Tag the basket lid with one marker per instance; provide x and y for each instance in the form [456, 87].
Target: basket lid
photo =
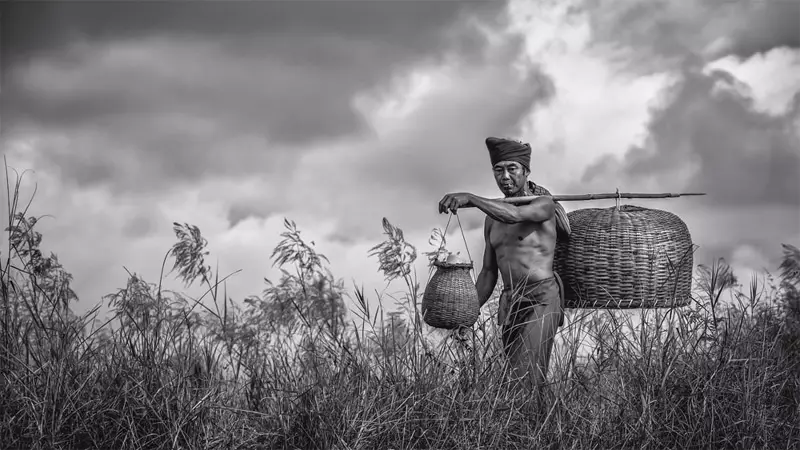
[452, 265]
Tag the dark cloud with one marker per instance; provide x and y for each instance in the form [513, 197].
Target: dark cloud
[240, 213]
[36, 28]
[139, 95]
[243, 208]
[708, 137]
[663, 33]
[773, 24]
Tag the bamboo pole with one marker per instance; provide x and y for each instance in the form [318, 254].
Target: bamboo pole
[583, 197]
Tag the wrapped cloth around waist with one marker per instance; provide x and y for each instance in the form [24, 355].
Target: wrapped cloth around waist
[518, 300]
[530, 289]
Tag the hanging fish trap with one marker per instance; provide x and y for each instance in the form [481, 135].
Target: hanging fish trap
[450, 300]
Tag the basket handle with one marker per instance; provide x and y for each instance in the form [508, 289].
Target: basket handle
[463, 236]
[615, 213]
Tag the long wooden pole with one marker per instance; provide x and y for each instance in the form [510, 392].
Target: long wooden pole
[583, 197]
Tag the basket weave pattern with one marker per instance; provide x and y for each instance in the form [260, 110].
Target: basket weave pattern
[450, 300]
[631, 257]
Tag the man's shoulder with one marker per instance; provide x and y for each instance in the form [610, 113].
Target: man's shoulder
[562, 219]
[537, 189]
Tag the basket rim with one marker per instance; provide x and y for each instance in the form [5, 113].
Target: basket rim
[447, 265]
[626, 207]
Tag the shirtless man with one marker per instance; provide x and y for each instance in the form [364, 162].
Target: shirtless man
[520, 243]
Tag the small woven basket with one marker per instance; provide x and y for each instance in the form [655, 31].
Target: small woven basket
[450, 300]
[625, 257]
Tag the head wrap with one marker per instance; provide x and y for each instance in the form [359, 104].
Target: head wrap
[501, 149]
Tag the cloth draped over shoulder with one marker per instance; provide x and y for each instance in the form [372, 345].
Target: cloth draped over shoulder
[563, 229]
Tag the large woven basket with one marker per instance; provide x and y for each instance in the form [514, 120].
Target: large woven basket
[450, 300]
[626, 257]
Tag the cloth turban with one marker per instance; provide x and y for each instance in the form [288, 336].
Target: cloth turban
[501, 149]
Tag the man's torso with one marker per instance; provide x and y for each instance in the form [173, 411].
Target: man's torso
[524, 251]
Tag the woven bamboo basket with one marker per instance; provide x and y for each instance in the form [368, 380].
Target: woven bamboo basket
[625, 257]
[450, 300]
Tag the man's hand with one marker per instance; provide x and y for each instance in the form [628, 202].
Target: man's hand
[452, 202]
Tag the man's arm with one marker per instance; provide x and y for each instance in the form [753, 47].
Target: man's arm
[539, 210]
[487, 279]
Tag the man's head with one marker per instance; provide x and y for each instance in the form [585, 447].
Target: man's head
[510, 164]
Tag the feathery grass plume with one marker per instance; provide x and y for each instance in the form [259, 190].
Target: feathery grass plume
[790, 265]
[293, 249]
[395, 255]
[311, 294]
[189, 253]
[396, 259]
[714, 281]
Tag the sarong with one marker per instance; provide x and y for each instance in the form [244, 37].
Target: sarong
[529, 317]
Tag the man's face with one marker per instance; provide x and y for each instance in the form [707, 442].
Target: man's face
[510, 177]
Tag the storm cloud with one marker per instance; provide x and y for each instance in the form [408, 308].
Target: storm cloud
[709, 137]
[144, 95]
[647, 36]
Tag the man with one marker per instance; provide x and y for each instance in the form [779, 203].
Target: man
[520, 243]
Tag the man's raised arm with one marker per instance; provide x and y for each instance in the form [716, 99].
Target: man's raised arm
[539, 210]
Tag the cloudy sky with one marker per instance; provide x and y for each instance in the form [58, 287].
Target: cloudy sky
[335, 114]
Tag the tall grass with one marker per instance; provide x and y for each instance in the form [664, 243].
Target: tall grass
[289, 368]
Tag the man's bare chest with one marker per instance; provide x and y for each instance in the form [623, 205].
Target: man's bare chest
[502, 234]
